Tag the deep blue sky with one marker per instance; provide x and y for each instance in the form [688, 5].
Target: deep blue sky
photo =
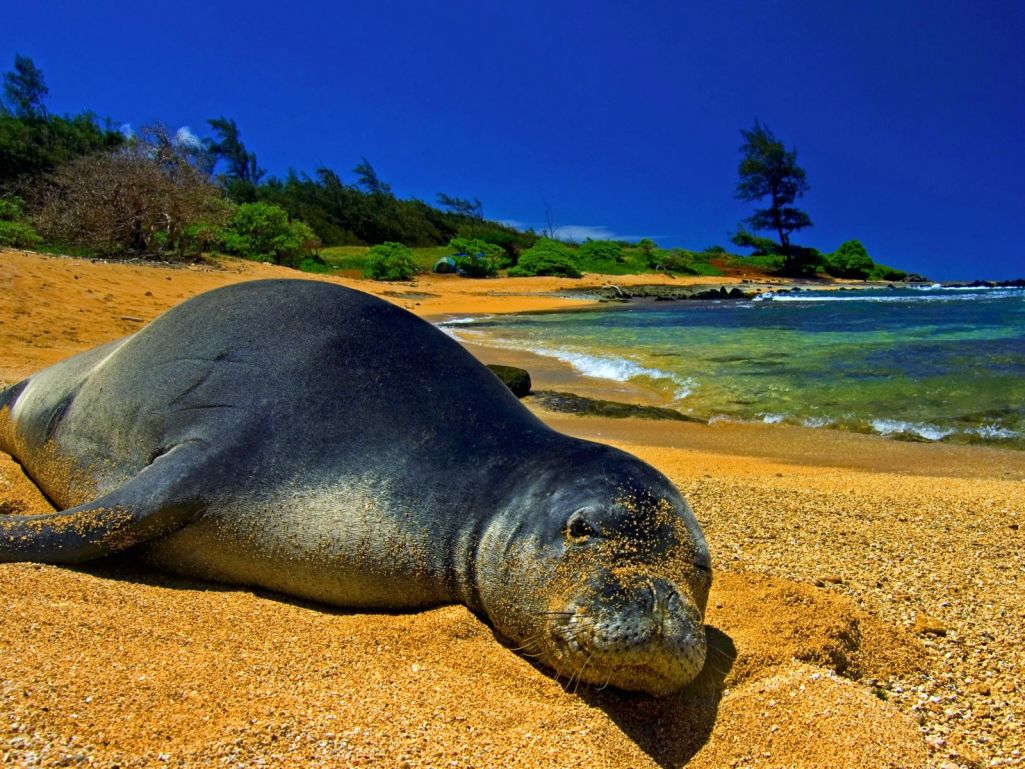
[623, 117]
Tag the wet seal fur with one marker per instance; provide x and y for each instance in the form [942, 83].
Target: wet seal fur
[317, 441]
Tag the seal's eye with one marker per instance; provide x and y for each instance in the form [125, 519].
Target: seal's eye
[578, 527]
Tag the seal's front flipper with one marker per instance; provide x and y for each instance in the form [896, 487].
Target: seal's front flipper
[153, 503]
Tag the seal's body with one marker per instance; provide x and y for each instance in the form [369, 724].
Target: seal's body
[314, 440]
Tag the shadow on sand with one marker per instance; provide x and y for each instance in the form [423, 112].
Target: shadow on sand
[671, 730]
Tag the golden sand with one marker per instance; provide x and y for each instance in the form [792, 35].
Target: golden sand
[866, 612]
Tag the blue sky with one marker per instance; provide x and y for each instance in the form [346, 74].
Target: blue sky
[622, 118]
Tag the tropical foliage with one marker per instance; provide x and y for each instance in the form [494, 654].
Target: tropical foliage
[390, 261]
[476, 258]
[69, 182]
[850, 260]
[547, 257]
[263, 232]
[14, 231]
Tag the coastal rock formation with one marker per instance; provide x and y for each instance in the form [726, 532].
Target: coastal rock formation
[516, 379]
[663, 293]
[571, 403]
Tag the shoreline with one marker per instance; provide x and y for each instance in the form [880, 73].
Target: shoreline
[551, 371]
[858, 576]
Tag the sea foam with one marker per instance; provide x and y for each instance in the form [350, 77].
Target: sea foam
[922, 430]
[613, 368]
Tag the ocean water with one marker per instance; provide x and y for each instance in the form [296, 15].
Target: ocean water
[934, 364]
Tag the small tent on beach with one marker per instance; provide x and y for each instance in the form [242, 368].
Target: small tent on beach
[445, 265]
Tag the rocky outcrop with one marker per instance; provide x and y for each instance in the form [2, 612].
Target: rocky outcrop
[664, 293]
[516, 379]
[571, 403]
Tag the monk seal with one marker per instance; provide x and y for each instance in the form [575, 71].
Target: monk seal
[317, 441]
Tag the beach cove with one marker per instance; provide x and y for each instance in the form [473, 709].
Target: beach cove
[866, 609]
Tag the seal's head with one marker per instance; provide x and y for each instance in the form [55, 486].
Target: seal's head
[604, 576]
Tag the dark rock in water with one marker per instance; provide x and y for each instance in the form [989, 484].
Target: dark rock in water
[1015, 283]
[665, 293]
[516, 379]
[719, 293]
[571, 403]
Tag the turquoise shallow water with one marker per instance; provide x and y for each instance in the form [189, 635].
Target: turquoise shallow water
[931, 364]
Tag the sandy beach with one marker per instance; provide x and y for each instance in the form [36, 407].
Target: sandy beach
[866, 610]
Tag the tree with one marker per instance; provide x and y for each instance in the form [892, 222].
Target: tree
[243, 174]
[767, 170]
[25, 89]
[366, 177]
[470, 209]
[33, 147]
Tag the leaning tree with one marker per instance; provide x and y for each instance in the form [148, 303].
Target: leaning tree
[768, 170]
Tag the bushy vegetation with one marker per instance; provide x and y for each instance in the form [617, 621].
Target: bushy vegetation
[601, 252]
[70, 184]
[547, 257]
[850, 260]
[14, 232]
[476, 258]
[390, 261]
[682, 261]
[144, 198]
[264, 232]
[35, 146]
[882, 272]
[801, 261]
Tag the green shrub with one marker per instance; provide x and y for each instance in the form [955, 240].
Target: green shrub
[476, 258]
[390, 261]
[647, 247]
[850, 260]
[672, 260]
[511, 241]
[601, 251]
[547, 257]
[262, 232]
[882, 272]
[681, 260]
[15, 233]
[316, 265]
[802, 261]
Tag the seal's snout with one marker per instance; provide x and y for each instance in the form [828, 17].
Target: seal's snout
[641, 633]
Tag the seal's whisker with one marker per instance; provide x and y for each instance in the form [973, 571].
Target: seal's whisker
[580, 673]
[710, 650]
[528, 643]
